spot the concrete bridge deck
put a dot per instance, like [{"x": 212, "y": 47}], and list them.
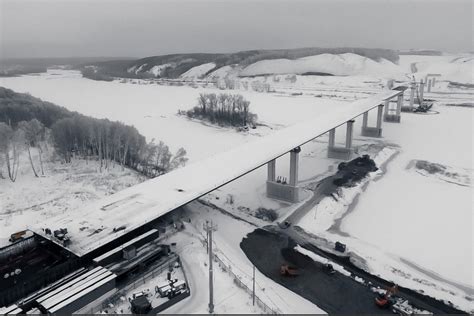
[{"x": 103, "y": 221}]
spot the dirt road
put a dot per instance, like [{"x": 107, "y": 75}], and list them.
[{"x": 270, "y": 247}]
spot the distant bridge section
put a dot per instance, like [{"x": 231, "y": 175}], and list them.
[{"x": 103, "y": 221}]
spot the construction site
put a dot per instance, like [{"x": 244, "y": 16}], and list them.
[{"x": 41, "y": 276}]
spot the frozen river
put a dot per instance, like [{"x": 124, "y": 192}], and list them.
[{"x": 152, "y": 109}]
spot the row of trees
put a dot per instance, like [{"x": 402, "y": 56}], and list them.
[
  {"x": 223, "y": 109},
  {"x": 27, "y": 122},
  {"x": 113, "y": 142}
]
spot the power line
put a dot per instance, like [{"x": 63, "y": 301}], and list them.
[{"x": 209, "y": 228}]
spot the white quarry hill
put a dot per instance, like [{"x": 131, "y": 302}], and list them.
[
  {"x": 156, "y": 70},
  {"x": 225, "y": 71},
  {"x": 339, "y": 65},
  {"x": 198, "y": 71}
]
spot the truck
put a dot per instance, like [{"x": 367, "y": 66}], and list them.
[{"x": 140, "y": 305}]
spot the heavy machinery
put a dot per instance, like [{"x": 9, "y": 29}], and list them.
[
  {"x": 139, "y": 303},
  {"x": 17, "y": 236},
  {"x": 424, "y": 108},
  {"x": 385, "y": 300},
  {"x": 287, "y": 270},
  {"x": 329, "y": 269}
]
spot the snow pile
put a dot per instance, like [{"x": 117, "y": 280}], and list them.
[
  {"x": 340, "y": 65},
  {"x": 198, "y": 71},
  {"x": 459, "y": 176},
  {"x": 318, "y": 258}
]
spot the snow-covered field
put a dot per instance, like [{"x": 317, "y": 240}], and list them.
[
  {"x": 63, "y": 188},
  {"x": 408, "y": 226}
]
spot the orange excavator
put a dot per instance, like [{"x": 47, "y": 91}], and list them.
[
  {"x": 287, "y": 270},
  {"x": 385, "y": 300}
]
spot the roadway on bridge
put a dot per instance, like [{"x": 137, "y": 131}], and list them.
[{"x": 103, "y": 221}]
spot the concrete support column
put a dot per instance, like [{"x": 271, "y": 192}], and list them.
[
  {"x": 294, "y": 164},
  {"x": 399, "y": 104},
  {"x": 386, "y": 106},
  {"x": 349, "y": 132},
  {"x": 373, "y": 131},
  {"x": 380, "y": 114},
  {"x": 422, "y": 90},
  {"x": 365, "y": 120},
  {"x": 429, "y": 86},
  {"x": 271, "y": 170},
  {"x": 412, "y": 94},
  {"x": 332, "y": 138},
  {"x": 433, "y": 82}
]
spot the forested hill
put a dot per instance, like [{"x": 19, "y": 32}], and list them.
[
  {"x": 176, "y": 65},
  {"x": 26, "y": 120},
  {"x": 16, "y": 107}
]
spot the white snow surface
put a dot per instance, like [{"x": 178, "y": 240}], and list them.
[{"x": 336, "y": 64}]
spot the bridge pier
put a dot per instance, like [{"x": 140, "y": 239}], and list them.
[
  {"x": 410, "y": 107},
  {"x": 421, "y": 91},
  {"x": 271, "y": 170},
  {"x": 391, "y": 117},
  {"x": 343, "y": 153},
  {"x": 279, "y": 188},
  {"x": 429, "y": 85},
  {"x": 373, "y": 131}
]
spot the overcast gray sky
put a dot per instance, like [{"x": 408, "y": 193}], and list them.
[{"x": 54, "y": 28}]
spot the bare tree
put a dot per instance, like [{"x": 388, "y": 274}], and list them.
[
  {"x": 179, "y": 159},
  {"x": 33, "y": 132},
  {"x": 11, "y": 140}
]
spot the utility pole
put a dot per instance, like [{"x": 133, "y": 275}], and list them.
[
  {"x": 253, "y": 287},
  {"x": 209, "y": 228}
]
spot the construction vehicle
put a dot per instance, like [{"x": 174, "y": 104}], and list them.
[
  {"x": 287, "y": 270},
  {"x": 424, "y": 108},
  {"x": 340, "y": 247},
  {"x": 140, "y": 305},
  {"x": 329, "y": 269},
  {"x": 385, "y": 300},
  {"x": 17, "y": 236}
]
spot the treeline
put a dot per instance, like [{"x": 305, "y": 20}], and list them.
[
  {"x": 27, "y": 122},
  {"x": 223, "y": 109}
]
